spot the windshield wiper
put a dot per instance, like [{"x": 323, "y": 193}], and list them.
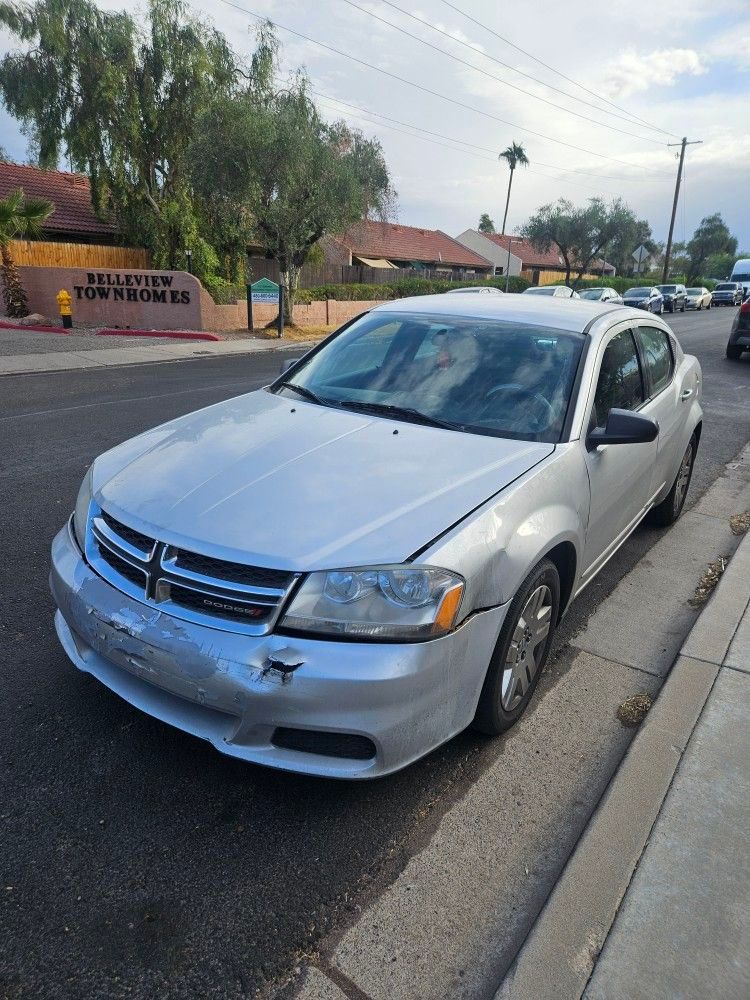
[
  {"x": 303, "y": 391},
  {"x": 399, "y": 413}
]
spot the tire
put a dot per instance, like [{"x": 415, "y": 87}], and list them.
[
  {"x": 683, "y": 308},
  {"x": 709, "y": 305},
  {"x": 661, "y": 309},
  {"x": 504, "y": 697},
  {"x": 700, "y": 306},
  {"x": 670, "y": 508},
  {"x": 734, "y": 353}
]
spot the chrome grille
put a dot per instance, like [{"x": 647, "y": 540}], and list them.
[{"x": 188, "y": 585}]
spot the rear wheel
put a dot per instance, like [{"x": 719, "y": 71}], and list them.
[
  {"x": 671, "y": 506},
  {"x": 521, "y": 651}
]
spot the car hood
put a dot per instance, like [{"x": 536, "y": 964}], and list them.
[{"x": 288, "y": 484}]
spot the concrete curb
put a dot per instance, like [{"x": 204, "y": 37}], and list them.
[
  {"x": 560, "y": 952},
  {"x": 28, "y": 364}
]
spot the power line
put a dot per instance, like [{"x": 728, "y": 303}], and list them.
[
  {"x": 419, "y": 86},
  {"x": 552, "y": 69},
  {"x": 487, "y": 55},
  {"x": 449, "y": 138},
  {"x": 456, "y": 149}
]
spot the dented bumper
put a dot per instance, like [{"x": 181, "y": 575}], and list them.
[{"x": 236, "y": 690}]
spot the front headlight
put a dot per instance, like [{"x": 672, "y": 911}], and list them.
[
  {"x": 405, "y": 603},
  {"x": 81, "y": 513}
]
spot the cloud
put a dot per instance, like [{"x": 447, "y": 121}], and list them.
[{"x": 633, "y": 72}]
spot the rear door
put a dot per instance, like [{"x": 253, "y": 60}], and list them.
[
  {"x": 619, "y": 475},
  {"x": 665, "y": 403}
]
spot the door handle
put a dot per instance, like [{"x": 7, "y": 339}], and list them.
[{"x": 686, "y": 394}]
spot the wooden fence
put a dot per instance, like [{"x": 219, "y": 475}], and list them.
[
  {"x": 39, "y": 253},
  {"x": 312, "y": 275},
  {"x": 557, "y": 277}
]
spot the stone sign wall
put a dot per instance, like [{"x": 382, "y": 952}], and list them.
[{"x": 126, "y": 298}]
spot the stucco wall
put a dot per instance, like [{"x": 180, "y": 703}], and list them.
[
  {"x": 161, "y": 300},
  {"x": 479, "y": 243},
  {"x": 121, "y": 297}
]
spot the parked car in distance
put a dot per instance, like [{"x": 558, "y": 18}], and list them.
[
  {"x": 554, "y": 291},
  {"x": 739, "y": 337},
  {"x": 727, "y": 293},
  {"x": 741, "y": 273},
  {"x": 602, "y": 295},
  {"x": 646, "y": 297},
  {"x": 477, "y": 289},
  {"x": 339, "y": 572},
  {"x": 675, "y": 297},
  {"x": 698, "y": 298}
]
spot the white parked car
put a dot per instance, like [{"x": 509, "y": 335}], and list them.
[
  {"x": 602, "y": 295},
  {"x": 476, "y": 289},
  {"x": 698, "y": 298},
  {"x": 554, "y": 291},
  {"x": 339, "y": 572}
]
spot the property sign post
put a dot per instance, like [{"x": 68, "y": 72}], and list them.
[{"x": 266, "y": 292}]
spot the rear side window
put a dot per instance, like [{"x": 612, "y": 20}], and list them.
[
  {"x": 657, "y": 355},
  {"x": 620, "y": 378}
]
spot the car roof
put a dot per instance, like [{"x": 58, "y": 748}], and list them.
[{"x": 573, "y": 315}]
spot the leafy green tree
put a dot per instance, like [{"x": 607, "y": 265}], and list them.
[
  {"x": 19, "y": 217},
  {"x": 719, "y": 265},
  {"x": 514, "y": 156},
  {"x": 580, "y": 233},
  {"x": 486, "y": 225},
  {"x": 711, "y": 237},
  {"x": 120, "y": 98},
  {"x": 289, "y": 175}
]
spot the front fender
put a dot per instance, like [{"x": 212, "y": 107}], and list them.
[{"x": 496, "y": 546}]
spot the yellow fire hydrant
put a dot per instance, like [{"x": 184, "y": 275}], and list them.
[{"x": 65, "y": 306}]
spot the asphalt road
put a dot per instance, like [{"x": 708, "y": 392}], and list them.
[{"x": 136, "y": 861}]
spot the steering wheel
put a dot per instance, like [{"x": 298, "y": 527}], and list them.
[{"x": 529, "y": 394}]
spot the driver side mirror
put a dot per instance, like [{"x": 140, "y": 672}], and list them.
[
  {"x": 623, "y": 427},
  {"x": 287, "y": 364}
]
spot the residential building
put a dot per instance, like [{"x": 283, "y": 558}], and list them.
[
  {"x": 74, "y": 219},
  {"x": 386, "y": 244},
  {"x": 523, "y": 257}
]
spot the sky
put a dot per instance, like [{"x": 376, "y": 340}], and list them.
[{"x": 656, "y": 73}]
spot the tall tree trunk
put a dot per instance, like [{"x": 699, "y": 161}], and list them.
[
  {"x": 289, "y": 273},
  {"x": 16, "y": 303},
  {"x": 507, "y": 202}
]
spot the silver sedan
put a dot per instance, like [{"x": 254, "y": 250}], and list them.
[{"x": 339, "y": 572}]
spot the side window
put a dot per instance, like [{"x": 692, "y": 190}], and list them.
[
  {"x": 620, "y": 379},
  {"x": 657, "y": 354}
]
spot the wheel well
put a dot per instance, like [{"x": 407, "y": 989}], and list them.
[
  {"x": 697, "y": 432},
  {"x": 564, "y": 558}
]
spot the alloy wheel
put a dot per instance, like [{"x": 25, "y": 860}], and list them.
[{"x": 526, "y": 647}]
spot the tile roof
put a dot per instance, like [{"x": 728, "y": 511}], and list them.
[
  {"x": 394, "y": 242},
  {"x": 70, "y": 194},
  {"x": 523, "y": 249}
]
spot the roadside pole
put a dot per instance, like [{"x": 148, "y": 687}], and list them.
[
  {"x": 668, "y": 252},
  {"x": 507, "y": 266}
]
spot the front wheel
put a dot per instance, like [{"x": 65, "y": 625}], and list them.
[
  {"x": 521, "y": 651},
  {"x": 671, "y": 506},
  {"x": 734, "y": 353},
  {"x": 683, "y": 308},
  {"x": 661, "y": 308}
]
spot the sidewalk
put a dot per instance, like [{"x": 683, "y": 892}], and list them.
[
  {"x": 130, "y": 354},
  {"x": 655, "y": 901}
]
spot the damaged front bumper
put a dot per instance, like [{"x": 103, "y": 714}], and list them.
[{"x": 238, "y": 692}]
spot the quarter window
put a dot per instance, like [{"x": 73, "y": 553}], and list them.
[
  {"x": 657, "y": 355},
  {"x": 620, "y": 379}
]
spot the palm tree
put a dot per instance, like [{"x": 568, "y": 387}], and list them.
[
  {"x": 19, "y": 216},
  {"x": 514, "y": 156}
]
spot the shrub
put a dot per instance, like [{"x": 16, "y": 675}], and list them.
[{"x": 400, "y": 289}]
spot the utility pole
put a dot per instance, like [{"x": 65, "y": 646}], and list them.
[
  {"x": 507, "y": 268},
  {"x": 668, "y": 252}
]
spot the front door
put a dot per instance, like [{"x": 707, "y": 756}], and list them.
[{"x": 620, "y": 474}]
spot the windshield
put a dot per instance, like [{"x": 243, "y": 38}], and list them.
[
  {"x": 592, "y": 293},
  {"x": 505, "y": 379},
  {"x": 741, "y": 277},
  {"x": 725, "y": 286},
  {"x": 639, "y": 292},
  {"x": 549, "y": 290},
  {"x": 667, "y": 288},
  {"x": 695, "y": 291}
]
